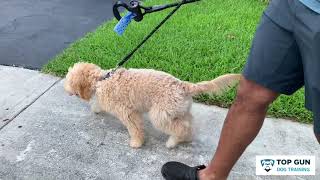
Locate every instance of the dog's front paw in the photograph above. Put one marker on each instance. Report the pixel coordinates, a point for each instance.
(96, 109)
(136, 143)
(172, 142)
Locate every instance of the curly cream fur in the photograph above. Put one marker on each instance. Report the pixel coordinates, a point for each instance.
(129, 93)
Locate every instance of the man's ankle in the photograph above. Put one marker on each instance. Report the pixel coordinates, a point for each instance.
(206, 174)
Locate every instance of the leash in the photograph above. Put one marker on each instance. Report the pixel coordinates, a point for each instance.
(136, 12)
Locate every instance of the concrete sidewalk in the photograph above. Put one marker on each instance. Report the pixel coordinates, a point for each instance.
(55, 136)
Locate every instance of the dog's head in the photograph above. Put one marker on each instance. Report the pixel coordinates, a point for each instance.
(267, 164)
(81, 80)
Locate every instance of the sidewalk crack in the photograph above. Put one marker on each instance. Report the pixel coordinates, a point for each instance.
(28, 105)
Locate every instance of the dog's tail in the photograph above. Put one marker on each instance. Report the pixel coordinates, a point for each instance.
(216, 86)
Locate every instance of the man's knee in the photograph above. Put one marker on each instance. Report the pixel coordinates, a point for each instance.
(252, 94)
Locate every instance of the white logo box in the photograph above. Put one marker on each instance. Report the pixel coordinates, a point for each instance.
(285, 165)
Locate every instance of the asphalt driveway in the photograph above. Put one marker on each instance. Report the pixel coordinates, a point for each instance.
(34, 31)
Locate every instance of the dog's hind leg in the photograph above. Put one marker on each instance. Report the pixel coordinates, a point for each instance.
(182, 130)
(179, 128)
(134, 123)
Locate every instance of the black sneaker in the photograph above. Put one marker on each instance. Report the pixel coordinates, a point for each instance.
(180, 171)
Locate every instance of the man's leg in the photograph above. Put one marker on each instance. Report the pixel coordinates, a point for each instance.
(241, 126)
(275, 64)
(307, 35)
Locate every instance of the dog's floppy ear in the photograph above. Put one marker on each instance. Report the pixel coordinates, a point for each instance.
(85, 92)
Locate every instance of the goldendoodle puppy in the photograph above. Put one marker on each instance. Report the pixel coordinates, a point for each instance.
(128, 93)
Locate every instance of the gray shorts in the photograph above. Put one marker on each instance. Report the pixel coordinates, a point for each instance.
(285, 53)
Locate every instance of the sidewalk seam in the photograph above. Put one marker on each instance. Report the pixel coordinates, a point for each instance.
(33, 101)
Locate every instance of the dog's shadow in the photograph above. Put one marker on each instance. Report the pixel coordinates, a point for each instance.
(112, 126)
(115, 132)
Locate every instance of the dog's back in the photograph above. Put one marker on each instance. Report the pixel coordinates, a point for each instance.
(142, 89)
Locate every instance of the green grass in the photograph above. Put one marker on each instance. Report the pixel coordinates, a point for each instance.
(201, 41)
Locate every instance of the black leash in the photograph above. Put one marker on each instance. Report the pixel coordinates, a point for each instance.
(127, 57)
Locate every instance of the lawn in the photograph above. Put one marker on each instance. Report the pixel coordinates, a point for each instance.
(201, 41)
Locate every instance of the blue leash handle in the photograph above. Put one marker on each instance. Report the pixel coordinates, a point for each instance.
(124, 23)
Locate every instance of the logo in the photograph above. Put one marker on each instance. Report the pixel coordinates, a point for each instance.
(285, 165)
(267, 164)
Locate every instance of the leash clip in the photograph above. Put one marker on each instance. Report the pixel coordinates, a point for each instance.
(134, 7)
(110, 73)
